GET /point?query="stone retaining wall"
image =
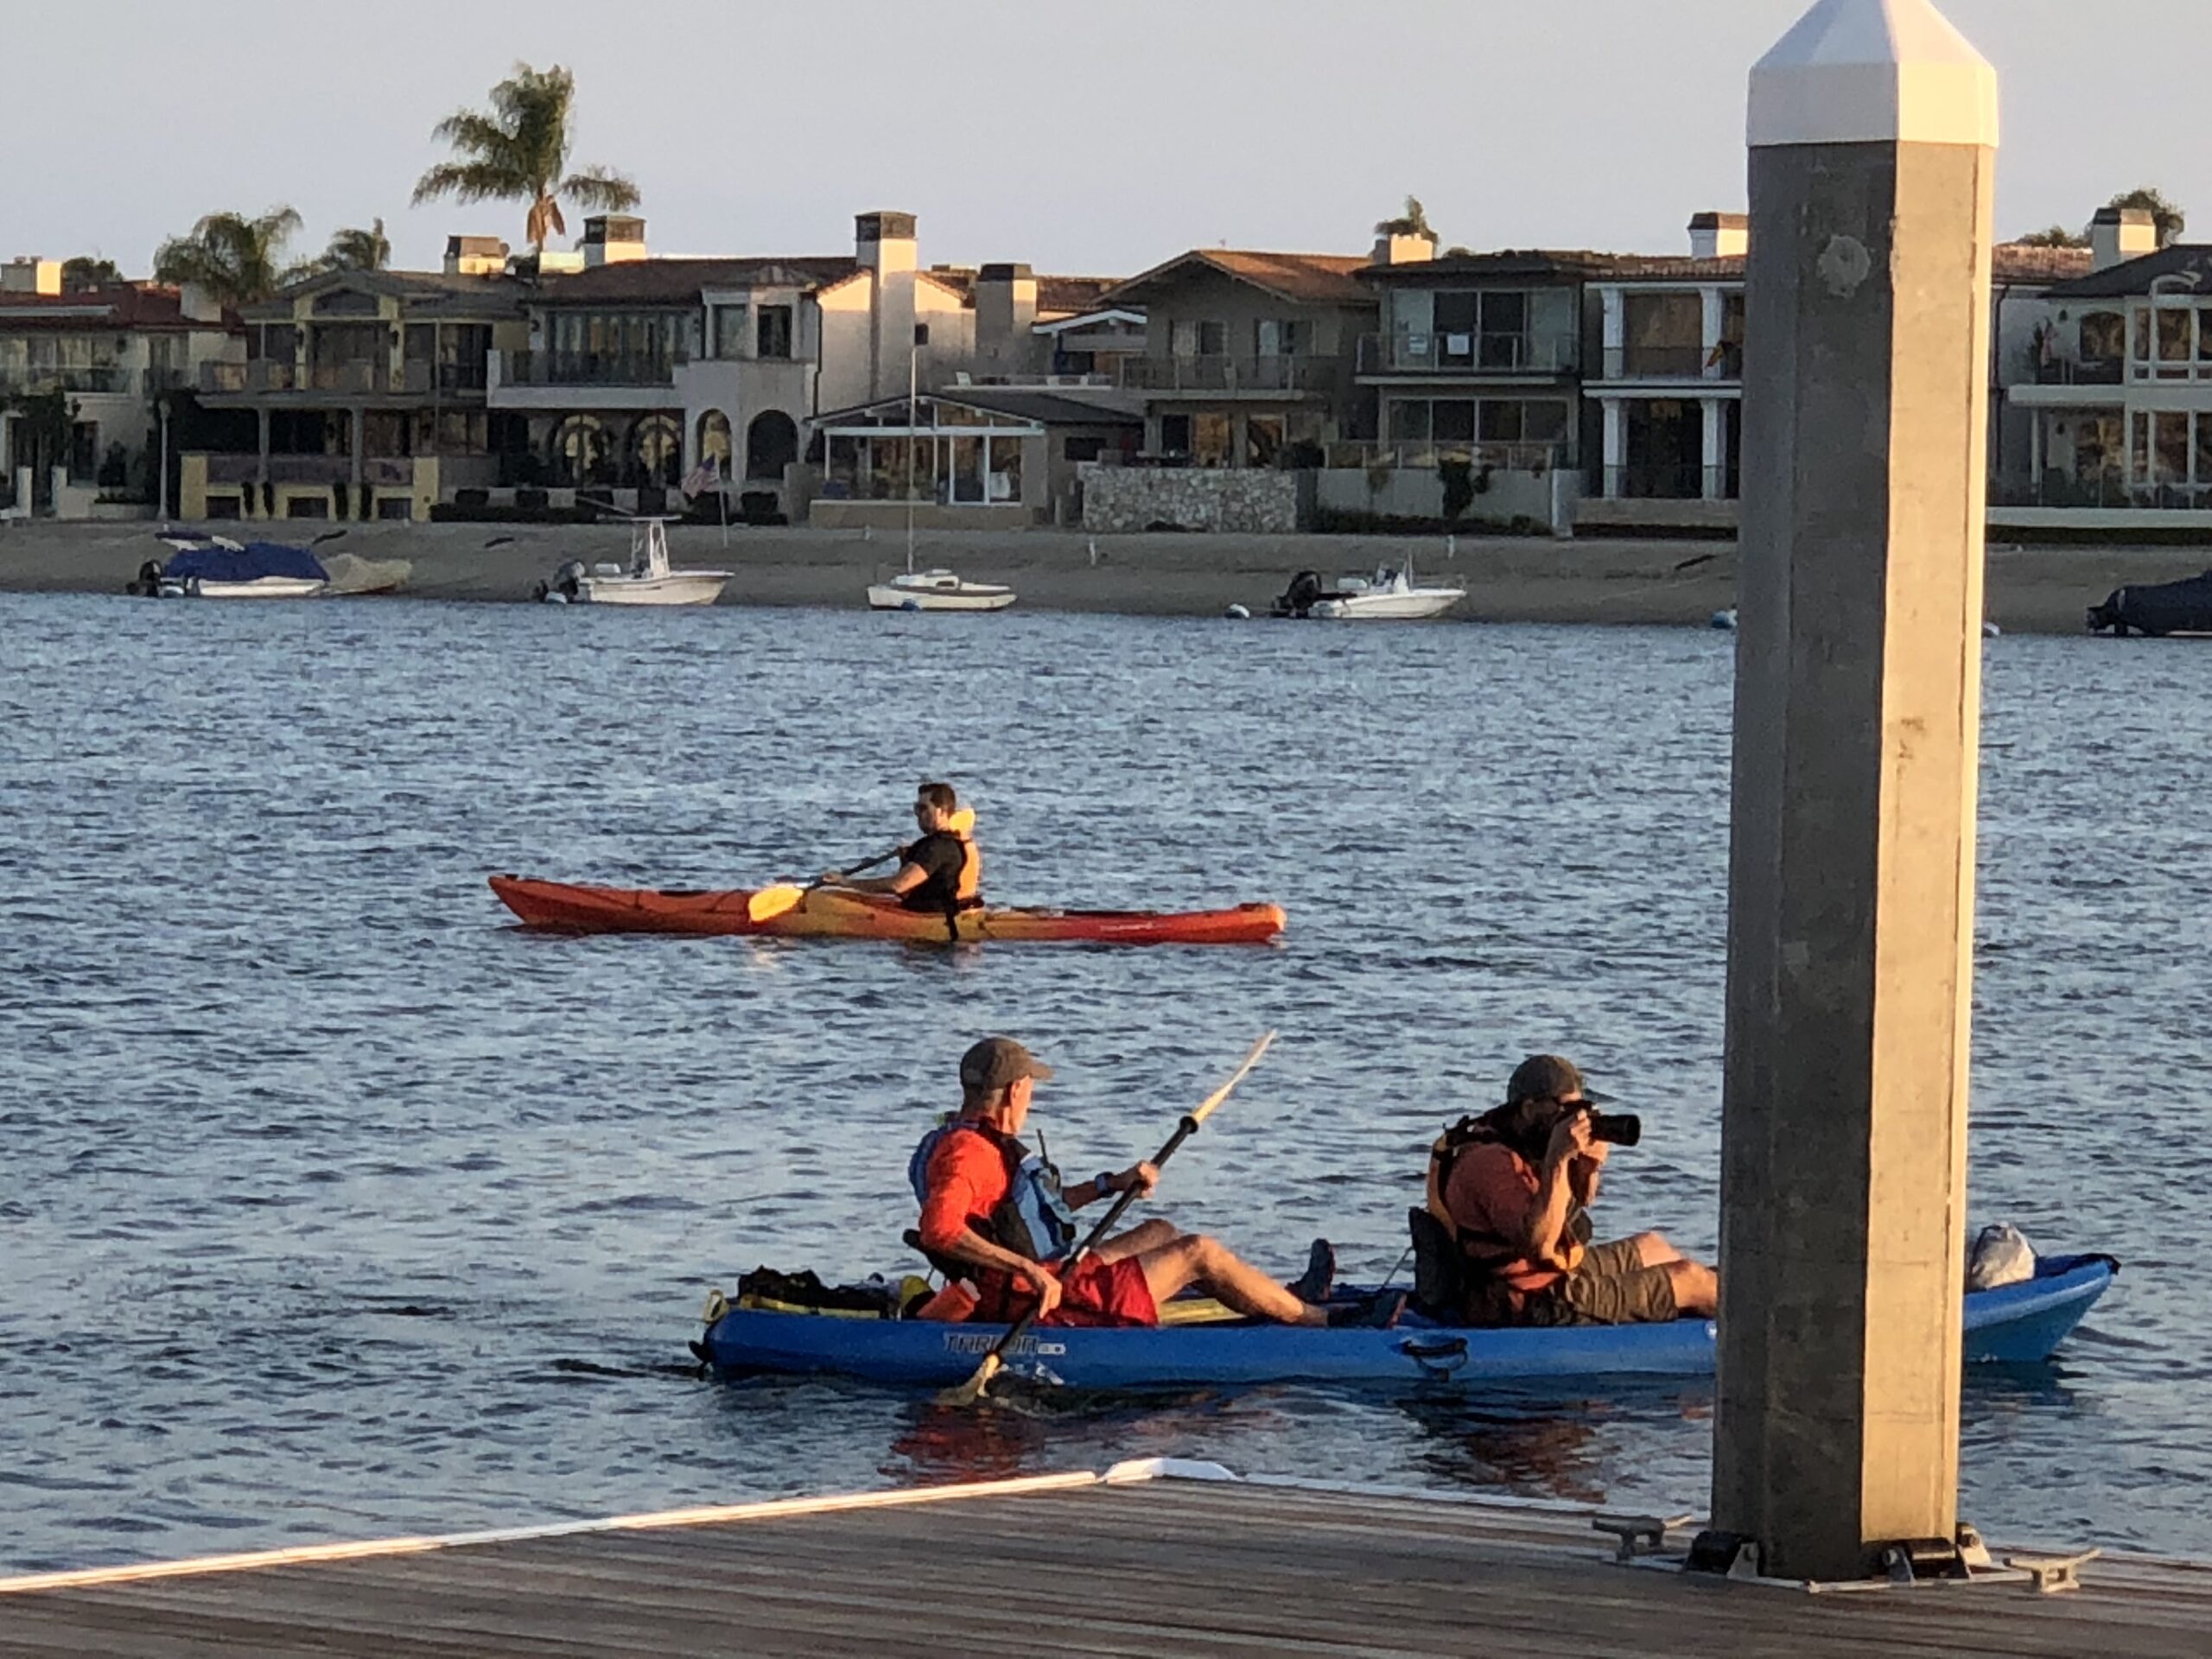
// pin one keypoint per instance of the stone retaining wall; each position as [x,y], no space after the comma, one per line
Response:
[1247,500]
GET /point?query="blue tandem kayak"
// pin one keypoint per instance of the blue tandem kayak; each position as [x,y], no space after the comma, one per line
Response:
[2016,1324]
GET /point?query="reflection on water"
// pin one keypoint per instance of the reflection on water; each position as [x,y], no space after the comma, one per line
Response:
[331,1206]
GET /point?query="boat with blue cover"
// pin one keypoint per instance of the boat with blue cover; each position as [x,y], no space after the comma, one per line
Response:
[215,566]
[2019,1323]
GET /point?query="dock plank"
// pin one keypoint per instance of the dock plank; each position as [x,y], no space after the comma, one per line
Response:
[1172,1567]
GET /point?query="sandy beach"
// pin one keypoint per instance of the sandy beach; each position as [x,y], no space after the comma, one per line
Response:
[2030,589]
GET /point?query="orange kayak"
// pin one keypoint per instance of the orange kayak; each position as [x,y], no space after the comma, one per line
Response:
[824,913]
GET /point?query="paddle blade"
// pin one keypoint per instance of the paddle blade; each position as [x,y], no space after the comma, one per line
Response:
[1206,1106]
[772,902]
[972,1390]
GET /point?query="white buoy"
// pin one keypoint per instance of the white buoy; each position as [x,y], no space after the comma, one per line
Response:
[1450,548]
[1725,621]
[1991,631]
[1094,552]
[1237,614]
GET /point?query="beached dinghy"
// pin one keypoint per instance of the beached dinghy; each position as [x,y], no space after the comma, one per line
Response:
[829,913]
[2016,1324]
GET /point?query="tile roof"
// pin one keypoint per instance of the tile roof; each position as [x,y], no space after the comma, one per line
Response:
[2184,259]
[1314,279]
[680,282]
[1068,295]
[103,310]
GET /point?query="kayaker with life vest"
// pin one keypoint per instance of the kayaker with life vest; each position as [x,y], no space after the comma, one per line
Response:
[942,871]
[995,1215]
[1505,1236]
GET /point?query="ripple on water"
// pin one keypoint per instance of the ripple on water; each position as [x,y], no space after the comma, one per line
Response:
[337,1207]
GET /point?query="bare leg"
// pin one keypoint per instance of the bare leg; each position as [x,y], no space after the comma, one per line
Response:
[1144,1235]
[1652,1250]
[1697,1288]
[1194,1259]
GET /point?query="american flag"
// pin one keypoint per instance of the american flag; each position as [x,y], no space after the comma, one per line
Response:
[703,478]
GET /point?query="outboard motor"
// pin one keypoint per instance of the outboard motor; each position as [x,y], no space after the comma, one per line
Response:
[1298,598]
[147,584]
[564,587]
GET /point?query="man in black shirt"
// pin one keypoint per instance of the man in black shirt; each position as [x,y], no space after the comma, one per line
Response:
[943,870]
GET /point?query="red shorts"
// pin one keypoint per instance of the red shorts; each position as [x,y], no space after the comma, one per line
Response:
[1104,1293]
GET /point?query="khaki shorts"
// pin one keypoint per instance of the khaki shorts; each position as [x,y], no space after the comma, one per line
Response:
[1609,1288]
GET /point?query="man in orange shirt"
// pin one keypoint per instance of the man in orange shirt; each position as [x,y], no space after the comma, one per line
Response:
[994,1212]
[1512,1190]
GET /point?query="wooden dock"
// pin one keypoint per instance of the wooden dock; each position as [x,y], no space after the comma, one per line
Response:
[1078,1564]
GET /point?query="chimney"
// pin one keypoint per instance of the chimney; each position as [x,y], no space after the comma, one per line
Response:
[1392,248]
[196,304]
[885,245]
[2118,234]
[31,275]
[475,255]
[1720,236]
[1006,311]
[613,240]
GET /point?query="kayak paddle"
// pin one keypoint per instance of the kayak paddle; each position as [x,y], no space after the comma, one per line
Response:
[972,1390]
[770,902]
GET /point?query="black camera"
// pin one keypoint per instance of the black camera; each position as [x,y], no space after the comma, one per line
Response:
[1616,1128]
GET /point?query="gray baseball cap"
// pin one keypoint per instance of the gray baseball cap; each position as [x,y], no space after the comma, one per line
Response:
[996,1063]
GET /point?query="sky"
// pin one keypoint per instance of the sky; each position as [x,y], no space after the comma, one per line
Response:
[1092,138]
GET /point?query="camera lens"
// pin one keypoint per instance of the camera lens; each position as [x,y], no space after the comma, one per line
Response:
[1617,1128]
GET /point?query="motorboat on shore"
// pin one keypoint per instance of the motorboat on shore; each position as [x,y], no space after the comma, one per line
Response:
[858,1332]
[828,913]
[215,566]
[2163,610]
[937,590]
[648,578]
[1390,595]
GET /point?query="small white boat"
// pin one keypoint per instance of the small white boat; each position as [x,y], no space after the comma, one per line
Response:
[259,587]
[937,590]
[648,579]
[1392,596]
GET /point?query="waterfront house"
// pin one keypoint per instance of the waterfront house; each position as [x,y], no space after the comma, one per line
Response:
[1248,355]
[361,394]
[984,457]
[2106,388]
[117,354]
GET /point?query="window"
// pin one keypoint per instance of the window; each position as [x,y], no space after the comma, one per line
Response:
[1091,448]
[775,332]
[2203,450]
[84,451]
[729,331]
[1175,434]
[1451,420]
[1262,440]
[2139,446]
[2104,337]
[2173,458]
[1409,422]
[1209,439]
[1662,333]
[2175,345]
[1282,337]
[1213,339]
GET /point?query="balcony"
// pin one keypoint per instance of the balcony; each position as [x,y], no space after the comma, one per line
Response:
[358,379]
[1426,453]
[1722,362]
[391,472]
[1470,354]
[540,368]
[2081,371]
[81,378]
[1231,376]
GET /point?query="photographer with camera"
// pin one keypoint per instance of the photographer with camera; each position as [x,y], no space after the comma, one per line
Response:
[1505,1237]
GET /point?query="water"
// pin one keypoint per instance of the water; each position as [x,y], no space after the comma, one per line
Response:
[331,1206]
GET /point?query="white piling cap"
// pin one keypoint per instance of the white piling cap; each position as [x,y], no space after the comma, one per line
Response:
[1861,72]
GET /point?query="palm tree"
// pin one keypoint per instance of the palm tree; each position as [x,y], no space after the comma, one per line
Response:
[357,249]
[2171,220]
[237,259]
[1412,222]
[519,151]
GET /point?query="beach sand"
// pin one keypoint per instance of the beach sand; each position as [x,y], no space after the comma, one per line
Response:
[2038,589]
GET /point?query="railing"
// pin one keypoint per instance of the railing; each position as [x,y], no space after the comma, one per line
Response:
[2082,372]
[540,368]
[1666,482]
[2109,489]
[1722,362]
[1231,373]
[261,374]
[1471,353]
[80,376]
[393,472]
[366,378]
[1429,453]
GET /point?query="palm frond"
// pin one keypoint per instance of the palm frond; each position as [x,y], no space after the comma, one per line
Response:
[469,182]
[601,187]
